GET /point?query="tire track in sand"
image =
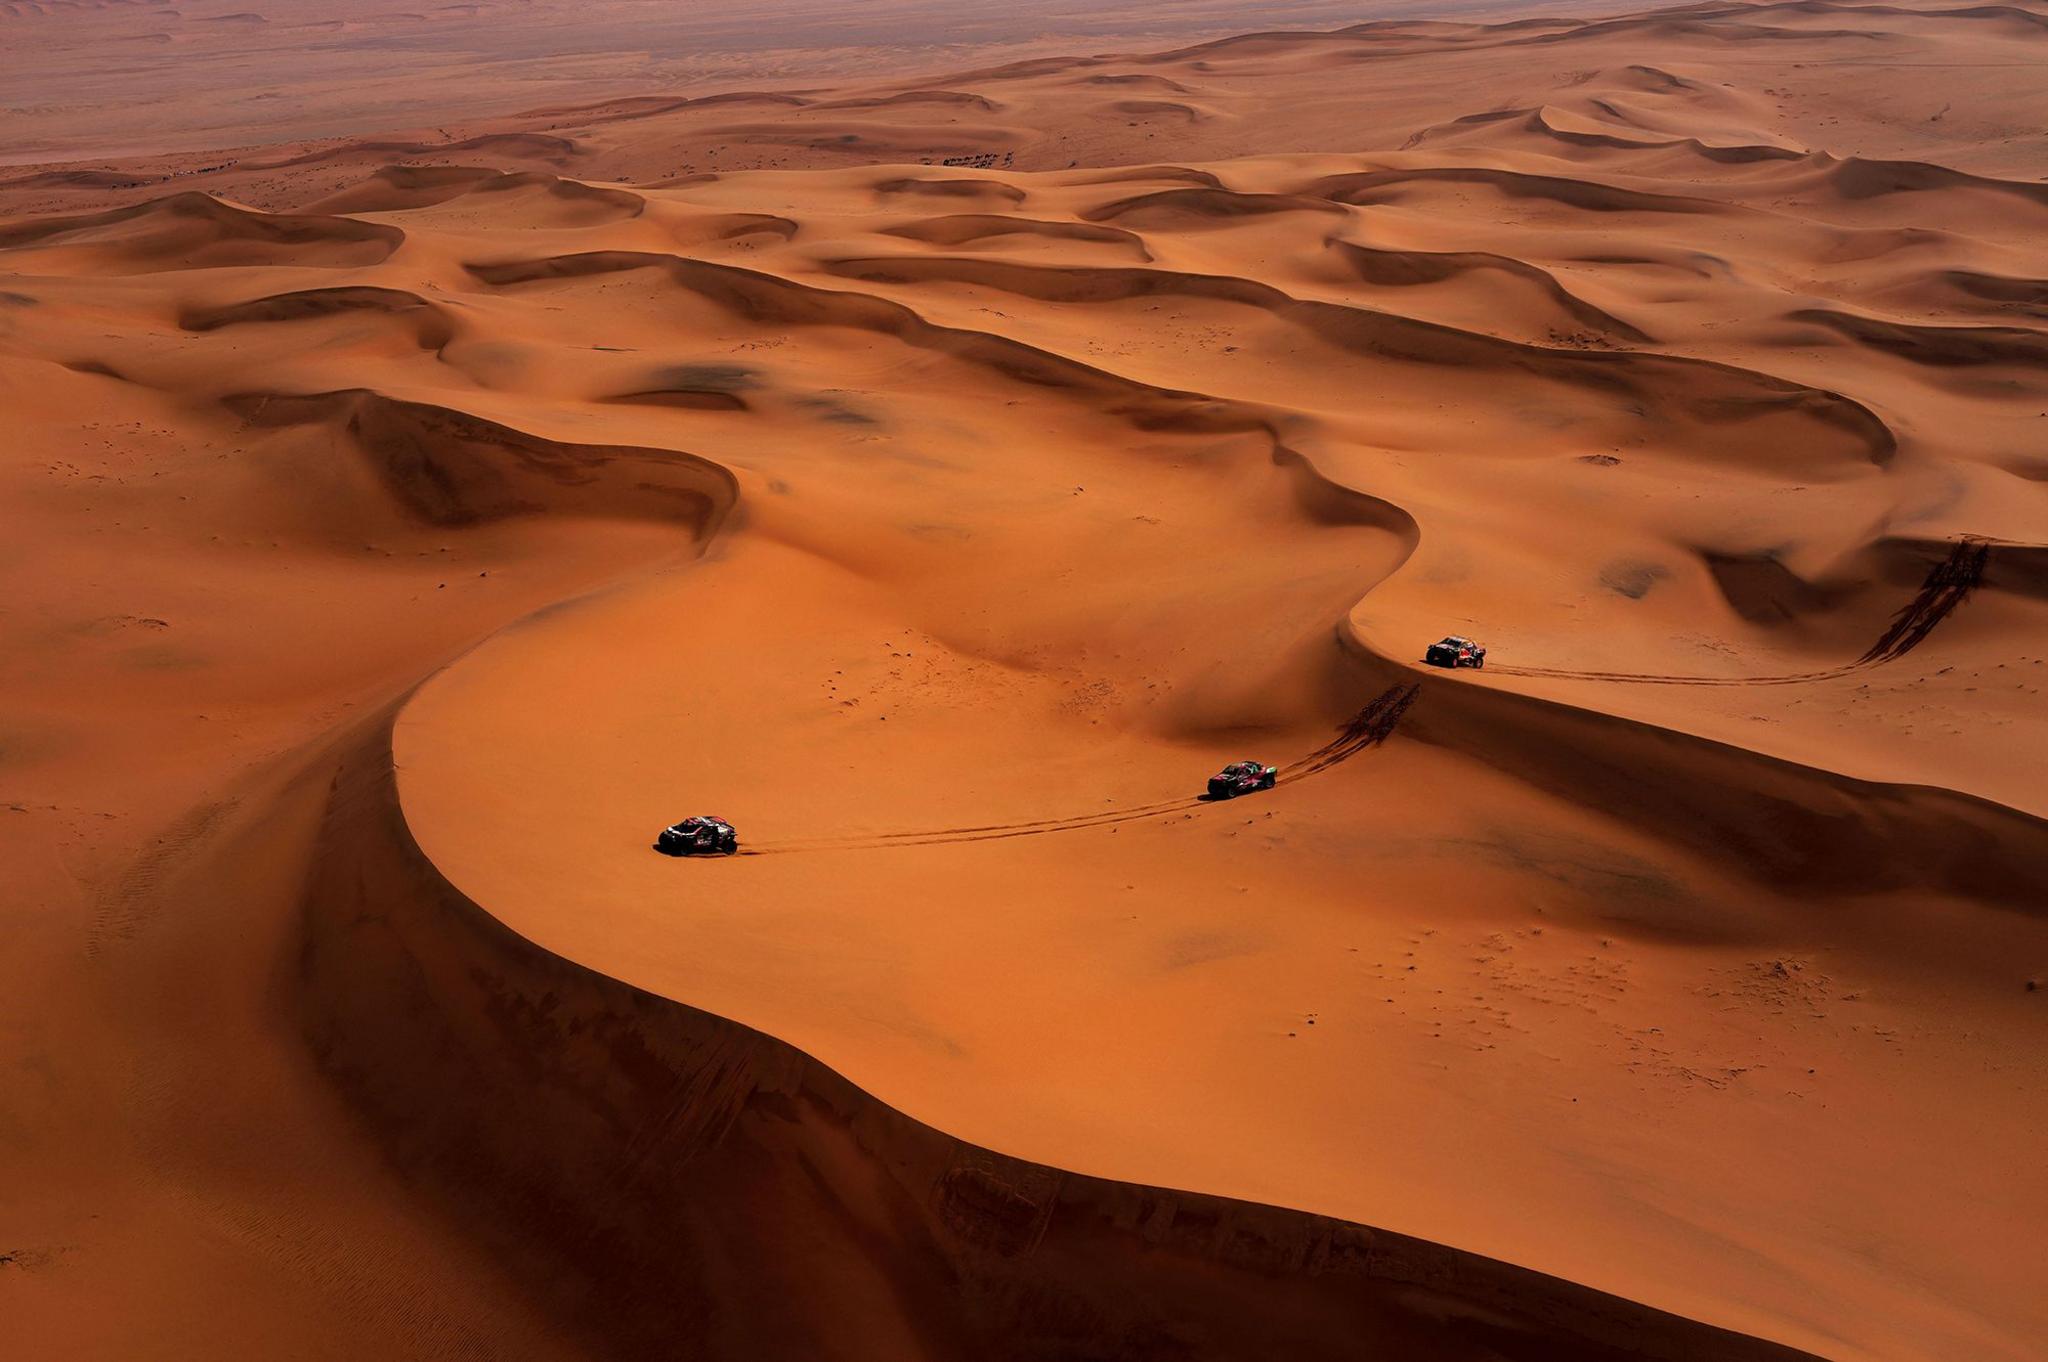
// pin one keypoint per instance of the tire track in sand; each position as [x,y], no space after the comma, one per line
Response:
[1948,585]
[1366,729]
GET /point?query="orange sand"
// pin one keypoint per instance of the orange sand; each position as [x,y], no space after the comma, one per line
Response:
[944,527]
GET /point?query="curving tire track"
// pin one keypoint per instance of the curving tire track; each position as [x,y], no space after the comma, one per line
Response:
[1948,585]
[1370,727]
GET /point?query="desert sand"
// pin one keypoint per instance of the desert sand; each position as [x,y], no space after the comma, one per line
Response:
[142,77]
[939,478]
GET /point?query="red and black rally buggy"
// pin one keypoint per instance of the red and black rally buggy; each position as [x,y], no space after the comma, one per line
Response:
[1242,777]
[702,835]
[1452,651]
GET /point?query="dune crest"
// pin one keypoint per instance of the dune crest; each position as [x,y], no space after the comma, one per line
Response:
[197,231]
[1004,1257]
[941,474]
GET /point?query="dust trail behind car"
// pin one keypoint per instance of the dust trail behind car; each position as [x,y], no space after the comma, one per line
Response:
[1370,727]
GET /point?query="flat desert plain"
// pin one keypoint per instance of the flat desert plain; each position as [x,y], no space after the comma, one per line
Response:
[939,476]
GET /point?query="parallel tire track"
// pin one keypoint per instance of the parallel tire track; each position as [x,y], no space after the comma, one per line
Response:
[1948,585]
[1370,727]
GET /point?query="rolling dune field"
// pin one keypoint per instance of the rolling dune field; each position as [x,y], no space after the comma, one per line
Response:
[941,478]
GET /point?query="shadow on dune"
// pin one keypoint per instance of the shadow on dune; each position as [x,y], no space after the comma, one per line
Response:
[1936,346]
[1403,269]
[529,145]
[1377,186]
[1949,583]
[431,323]
[950,99]
[447,467]
[963,229]
[1707,391]
[1857,177]
[986,190]
[566,203]
[1190,209]
[1802,831]
[760,297]
[1541,123]
[1713,393]
[1146,175]
[198,231]
[674,1184]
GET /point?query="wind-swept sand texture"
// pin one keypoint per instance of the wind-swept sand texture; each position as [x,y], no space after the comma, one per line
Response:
[395,547]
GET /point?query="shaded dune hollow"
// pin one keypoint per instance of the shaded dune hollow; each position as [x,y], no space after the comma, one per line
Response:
[1705,395]
[963,229]
[941,478]
[1801,828]
[675,1181]
[431,324]
[197,231]
[565,203]
[447,467]
[1406,269]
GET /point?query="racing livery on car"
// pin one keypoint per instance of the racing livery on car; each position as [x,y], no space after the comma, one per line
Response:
[1452,651]
[1242,777]
[702,835]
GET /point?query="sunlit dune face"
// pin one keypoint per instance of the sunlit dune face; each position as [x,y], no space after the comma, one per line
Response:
[1022,504]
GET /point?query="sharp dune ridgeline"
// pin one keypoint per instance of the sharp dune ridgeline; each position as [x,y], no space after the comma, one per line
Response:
[937,469]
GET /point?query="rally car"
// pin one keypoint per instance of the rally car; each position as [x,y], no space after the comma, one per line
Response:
[1452,651]
[702,835]
[1242,777]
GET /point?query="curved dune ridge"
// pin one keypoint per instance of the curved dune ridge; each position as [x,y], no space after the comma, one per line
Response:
[1725,394]
[448,467]
[1179,209]
[1948,346]
[987,190]
[524,144]
[197,231]
[964,229]
[432,324]
[982,1253]
[1407,268]
[1570,192]
[942,502]
[762,297]
[956,99]
[405,188]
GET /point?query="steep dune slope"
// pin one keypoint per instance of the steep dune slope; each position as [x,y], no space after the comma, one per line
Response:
[400,546]
[704,1187]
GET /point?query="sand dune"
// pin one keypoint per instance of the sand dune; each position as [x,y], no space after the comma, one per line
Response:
[450,468]
[970,1251]
[565,203]
[323,302]
[196,231]
[523,145]
[1947,346]
[965,229]
[955,99]
[940,475]
[993,191]
[1572,193]
[1407,269]
[1181,209]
